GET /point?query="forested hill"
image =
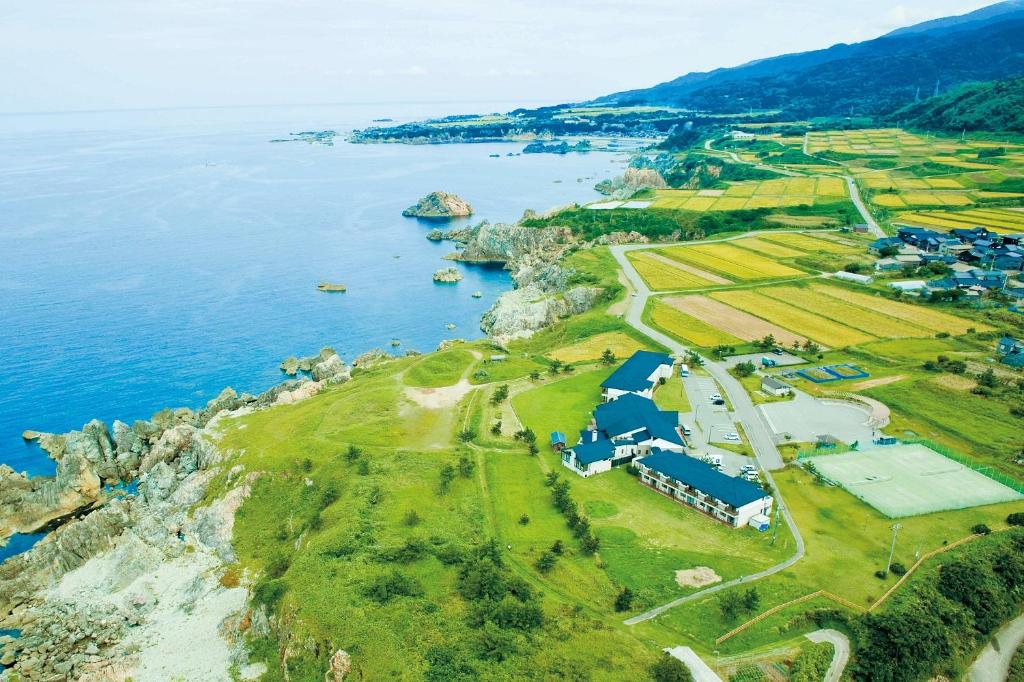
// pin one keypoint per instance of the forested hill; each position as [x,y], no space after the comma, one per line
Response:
[995,106]
[871,77]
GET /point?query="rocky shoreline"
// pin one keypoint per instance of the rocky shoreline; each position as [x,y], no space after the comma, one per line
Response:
[124,583]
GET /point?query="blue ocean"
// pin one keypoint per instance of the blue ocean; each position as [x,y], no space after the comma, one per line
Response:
[149,259]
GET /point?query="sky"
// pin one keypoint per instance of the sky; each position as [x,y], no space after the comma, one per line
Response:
[71,55]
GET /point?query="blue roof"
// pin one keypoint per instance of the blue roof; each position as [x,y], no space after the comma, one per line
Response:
[631,412]
[588,453]
[557,437]
[703,477]
[633,374]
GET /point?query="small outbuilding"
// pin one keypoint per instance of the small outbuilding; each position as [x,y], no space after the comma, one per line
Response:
[773,386]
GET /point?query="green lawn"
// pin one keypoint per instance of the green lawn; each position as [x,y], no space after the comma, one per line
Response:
[439,369]
[671,396]
[564,405]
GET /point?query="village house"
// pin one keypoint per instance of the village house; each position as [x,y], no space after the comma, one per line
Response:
[638,375]
[689,481]
[1011,351]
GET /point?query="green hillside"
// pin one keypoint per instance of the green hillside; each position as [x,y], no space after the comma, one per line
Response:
[997,106]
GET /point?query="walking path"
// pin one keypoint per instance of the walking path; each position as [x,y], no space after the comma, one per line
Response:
[758,434]
[700,670]
[993,665]
[840,658]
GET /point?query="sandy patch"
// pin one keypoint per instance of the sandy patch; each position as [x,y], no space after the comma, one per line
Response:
[882,381]
[956,382]
[439,398]
[732,321]
[703,274]
[697,577]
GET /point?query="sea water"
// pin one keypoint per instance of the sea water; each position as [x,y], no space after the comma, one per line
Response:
[149,259]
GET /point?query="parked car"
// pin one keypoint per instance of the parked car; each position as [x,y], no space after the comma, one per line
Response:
[731,436]
[687,431]
[777,351]
[716,396]
[748,468]
[717,401]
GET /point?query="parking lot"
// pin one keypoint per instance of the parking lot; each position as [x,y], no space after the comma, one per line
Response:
[713,421]
[805,418]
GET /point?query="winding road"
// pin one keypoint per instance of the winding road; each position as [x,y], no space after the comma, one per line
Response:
[758,434]
[841,644]
[993,664]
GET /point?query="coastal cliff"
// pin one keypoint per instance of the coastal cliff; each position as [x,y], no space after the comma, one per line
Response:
[543,292]
[127,579]
[439,205]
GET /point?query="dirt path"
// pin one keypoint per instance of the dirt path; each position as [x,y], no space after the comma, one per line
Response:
[872,383]
[444,396]
[841,644]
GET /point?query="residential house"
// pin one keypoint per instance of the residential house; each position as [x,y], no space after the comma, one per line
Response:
[689,481]
[639,375]
[1011,351]
[741,135]
[887,265]
[773,386]
[877,246]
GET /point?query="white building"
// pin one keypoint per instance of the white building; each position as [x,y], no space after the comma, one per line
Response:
[688,481]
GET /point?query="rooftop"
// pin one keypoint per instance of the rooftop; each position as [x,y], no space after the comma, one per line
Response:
[634,373]
[703,477]
[588,453]
[632,412]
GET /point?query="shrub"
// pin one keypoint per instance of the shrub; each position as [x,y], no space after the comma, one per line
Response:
[669,669]
[524,519]
[466,466]
[411,518]
[467,434]
[446,476]
[624,600]
[546,562]
[881,575]
[270,592]
[557,548]
[1015,519]
[383,588]
[898,569]
[980,529]
[364,467]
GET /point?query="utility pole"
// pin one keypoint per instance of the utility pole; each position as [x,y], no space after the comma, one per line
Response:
[892,550]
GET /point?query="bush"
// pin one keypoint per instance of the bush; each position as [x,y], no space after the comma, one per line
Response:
[812,663]
[1015,519]
[980,529]
[269,592]
[669,669]
[384,588]
[546,562]
[898,569]
[881,575]
[524,519]
[411,518]
[624,600]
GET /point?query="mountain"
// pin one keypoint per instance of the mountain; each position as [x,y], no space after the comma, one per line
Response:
[870,77]
[995,106]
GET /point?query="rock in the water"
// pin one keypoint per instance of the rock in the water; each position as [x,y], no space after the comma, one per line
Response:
[439,205]
[448,275]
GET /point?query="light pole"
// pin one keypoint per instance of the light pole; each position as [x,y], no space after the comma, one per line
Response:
[892,550]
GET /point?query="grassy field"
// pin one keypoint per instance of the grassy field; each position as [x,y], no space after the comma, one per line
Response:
[687,327]
[622,345]
[672,396]
[439,369]
[564,405]
[799,321]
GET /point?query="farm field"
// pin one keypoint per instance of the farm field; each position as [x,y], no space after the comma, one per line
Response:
[733,322]
[802,322]
[622,345]
[933,320]
[775,193]
[763,246]
[689,328]
[806,242]
[730,261]
[1000,219]
[870,321]
[663,273]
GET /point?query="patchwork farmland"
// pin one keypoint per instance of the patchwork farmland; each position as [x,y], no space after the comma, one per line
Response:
[727,319]
[1007,219]
[776,193]
[730,261]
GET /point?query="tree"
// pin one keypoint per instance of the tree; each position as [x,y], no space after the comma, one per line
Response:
[535,375]
[447,475]
[768,342]
[624,600]
[694,360]
[608,357]
[730,604]
[524,519]
[466,466]
[988,378]
[670,669]
[500,394]
[980,529]
[751,599]
[353,453]
[467,434]
[546,562]
[557,548]
[556,366]
[744,369]
[496,428]
[590,544]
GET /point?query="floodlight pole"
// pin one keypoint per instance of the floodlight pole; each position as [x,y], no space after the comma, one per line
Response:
[892,550]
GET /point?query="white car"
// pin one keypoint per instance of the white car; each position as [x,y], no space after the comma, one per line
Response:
[731,436]
[715,396]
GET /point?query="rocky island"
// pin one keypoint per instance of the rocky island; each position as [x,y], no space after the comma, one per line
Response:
[439,205]
[448,275]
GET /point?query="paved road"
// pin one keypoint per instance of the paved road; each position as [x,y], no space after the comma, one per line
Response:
[701,671]
[758,434]
[842,651]
[993,665]
[865,214]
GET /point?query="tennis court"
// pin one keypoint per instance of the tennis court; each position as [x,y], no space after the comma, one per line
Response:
[907,480]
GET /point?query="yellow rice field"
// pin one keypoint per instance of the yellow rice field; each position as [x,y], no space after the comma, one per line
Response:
[802,322]
[689,328]
[619,343]
[730,261]
[933,320]
[869,321]
[805,242]
[993,218]
[768,248]
[662,276]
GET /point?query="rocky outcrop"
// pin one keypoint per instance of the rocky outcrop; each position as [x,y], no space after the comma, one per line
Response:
[521,312]
[439,205]
[326,366]
[448,276]
[511,244]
